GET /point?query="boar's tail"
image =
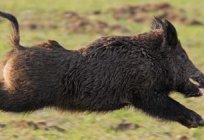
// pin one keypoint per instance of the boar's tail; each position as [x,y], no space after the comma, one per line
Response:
[15,37]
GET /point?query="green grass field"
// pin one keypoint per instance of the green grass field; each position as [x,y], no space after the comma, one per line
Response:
[50,124]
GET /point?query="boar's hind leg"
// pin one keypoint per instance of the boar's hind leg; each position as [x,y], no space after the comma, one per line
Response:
[165,107]
[20,102]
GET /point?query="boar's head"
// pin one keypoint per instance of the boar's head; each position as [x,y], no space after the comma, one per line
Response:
[183,72]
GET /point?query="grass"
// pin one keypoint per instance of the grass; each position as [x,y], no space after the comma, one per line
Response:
[83,126]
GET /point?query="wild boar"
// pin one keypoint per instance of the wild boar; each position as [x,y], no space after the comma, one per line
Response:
[108,74]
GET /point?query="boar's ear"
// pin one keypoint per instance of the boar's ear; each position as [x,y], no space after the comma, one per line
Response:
[170,34]
[157,23]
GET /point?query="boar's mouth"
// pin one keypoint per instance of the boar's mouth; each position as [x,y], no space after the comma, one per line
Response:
[198,79]
[197,83]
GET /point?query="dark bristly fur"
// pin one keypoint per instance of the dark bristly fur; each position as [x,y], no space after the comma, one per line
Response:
[110,73]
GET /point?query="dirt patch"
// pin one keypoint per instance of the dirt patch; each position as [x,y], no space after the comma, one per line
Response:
[71,22]
[97,12]
[124,126]
[183,138]
[2,126]
[42,125]
[82,24]
[38,26]
[143,13]
[32,21]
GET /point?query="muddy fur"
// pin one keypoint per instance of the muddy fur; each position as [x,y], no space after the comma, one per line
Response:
[108,74]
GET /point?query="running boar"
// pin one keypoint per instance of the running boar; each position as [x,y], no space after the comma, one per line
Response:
[108,74]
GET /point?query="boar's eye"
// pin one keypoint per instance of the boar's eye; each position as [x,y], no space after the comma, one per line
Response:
[183,57]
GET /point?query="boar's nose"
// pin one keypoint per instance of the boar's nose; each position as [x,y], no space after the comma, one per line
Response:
[201,81]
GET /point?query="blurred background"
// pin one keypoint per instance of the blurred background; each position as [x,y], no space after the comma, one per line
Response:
[75,23]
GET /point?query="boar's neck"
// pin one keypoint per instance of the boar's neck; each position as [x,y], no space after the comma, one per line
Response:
[171,72]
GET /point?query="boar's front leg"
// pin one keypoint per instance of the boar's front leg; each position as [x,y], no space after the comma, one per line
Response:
[165,107]
[189,89]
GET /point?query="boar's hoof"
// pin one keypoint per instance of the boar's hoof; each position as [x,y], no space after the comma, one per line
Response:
[201,123]
[198,93]
[194,94]
[192,120]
